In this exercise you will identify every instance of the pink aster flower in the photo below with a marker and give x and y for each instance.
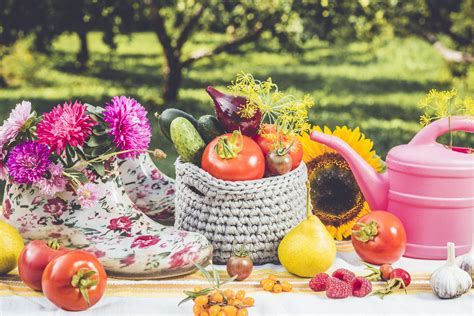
(28, 161)
(55, 182)
(128, 125)
(88, 195)
(65, 125)
(15, 122)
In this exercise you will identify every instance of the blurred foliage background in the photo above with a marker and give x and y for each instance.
(367, 63)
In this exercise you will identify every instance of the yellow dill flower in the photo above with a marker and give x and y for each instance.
(468, 105)
(425, 119)
(289, 113)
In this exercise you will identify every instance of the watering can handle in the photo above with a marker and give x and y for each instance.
(431, 132)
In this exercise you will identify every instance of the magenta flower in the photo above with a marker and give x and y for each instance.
(65, 125)
(7, 209)
(145, 241)
(185, 256)
(56, 182)
(55, 207)
(88, 195)
(12, 126)
(28, 162)
(122, 223)
(128, 260)
(128, 125)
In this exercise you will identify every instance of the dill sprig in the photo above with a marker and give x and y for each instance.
(287, 112)
(444, 104)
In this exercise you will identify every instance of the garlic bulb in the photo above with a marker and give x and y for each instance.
(466, 263)
(449, 281)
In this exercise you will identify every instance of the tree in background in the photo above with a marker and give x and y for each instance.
(366, 19)
(47, 19)
(174, 23)
(443, 23)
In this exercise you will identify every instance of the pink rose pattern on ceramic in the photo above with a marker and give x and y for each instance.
(151, 190)
(128, 243)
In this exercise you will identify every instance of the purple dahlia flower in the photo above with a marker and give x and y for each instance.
(128, 125)
(28, 162)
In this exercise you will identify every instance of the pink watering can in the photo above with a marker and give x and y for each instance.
(429, 186)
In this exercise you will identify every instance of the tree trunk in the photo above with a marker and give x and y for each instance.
(83, 55)
(173, 77)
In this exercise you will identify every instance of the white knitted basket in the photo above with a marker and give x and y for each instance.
(255, 213)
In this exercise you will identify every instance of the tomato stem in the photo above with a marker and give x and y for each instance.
(366, 232)
(229, 148)
(82, 280)
(54, 244)
(243, 251)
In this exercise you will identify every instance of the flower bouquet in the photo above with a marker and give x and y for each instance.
(64, 183)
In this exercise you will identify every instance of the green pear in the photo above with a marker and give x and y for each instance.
(307, 249)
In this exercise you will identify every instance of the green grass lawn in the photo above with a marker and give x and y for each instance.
(372, 86)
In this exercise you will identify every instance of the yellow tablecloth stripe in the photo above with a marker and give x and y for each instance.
(11, 285)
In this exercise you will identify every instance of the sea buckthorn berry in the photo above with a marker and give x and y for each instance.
(237, 302)
(204, 313)
(214, 310)
(217, 297)
(248, 301)
(242, 312)
(221, 313)
(230, 310)
(229, 294)
(277, 288)
(286, 286)
(231, 302)
(268, 285)
(197, 309)
(272, 277)
(201, 300)
(240, 294)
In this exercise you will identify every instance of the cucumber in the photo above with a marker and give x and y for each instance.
(169, 115)
(186, 139)
(209, 127)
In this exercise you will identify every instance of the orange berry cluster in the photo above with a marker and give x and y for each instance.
(222, 303)
(272, 284)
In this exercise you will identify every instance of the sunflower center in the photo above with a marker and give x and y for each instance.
(335, 195)
(335, 190)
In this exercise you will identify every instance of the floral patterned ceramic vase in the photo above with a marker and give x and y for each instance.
(150, 189)
(128, 243)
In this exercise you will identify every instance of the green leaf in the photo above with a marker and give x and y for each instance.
(99, 168)
(93, 141)
(205, 273)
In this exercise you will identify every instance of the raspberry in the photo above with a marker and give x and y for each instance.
(361, 287)
(338, 289)
(319, 282)
(344, 275)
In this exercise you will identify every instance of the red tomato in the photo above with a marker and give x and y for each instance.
(74, 281)
(247, 163)
(268, 137)
(379, 237)
(240, 266)
(34, 258)
(402, 275)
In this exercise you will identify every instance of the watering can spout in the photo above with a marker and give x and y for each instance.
(374, 186)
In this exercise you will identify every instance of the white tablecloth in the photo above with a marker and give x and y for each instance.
(157, 300)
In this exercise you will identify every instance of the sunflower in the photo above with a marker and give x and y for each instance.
(335, 195)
